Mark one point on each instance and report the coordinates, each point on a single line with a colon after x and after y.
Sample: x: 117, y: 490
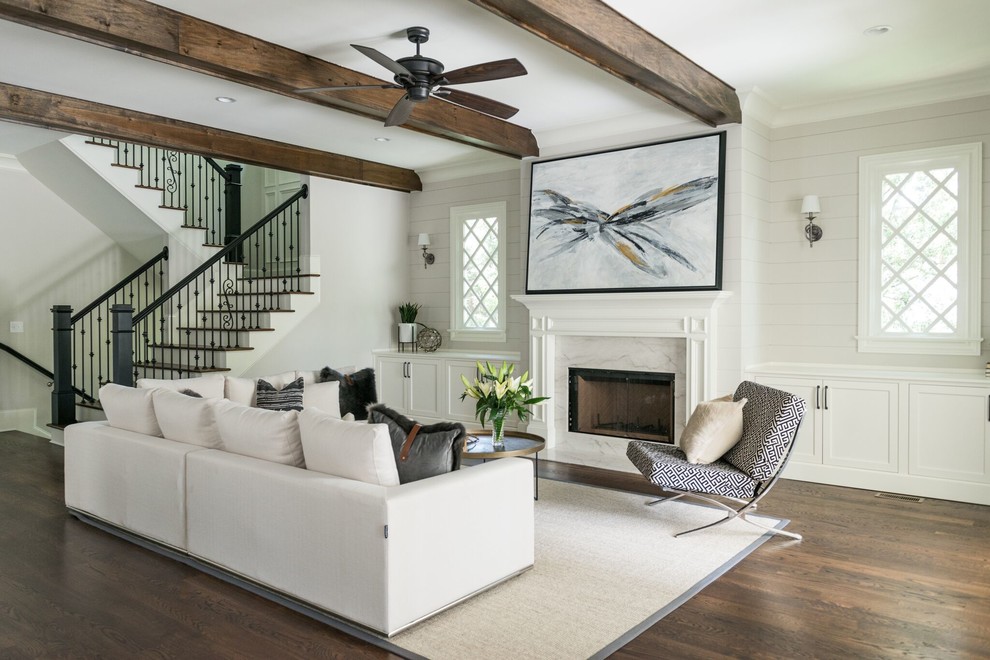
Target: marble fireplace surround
x: 687, y: 316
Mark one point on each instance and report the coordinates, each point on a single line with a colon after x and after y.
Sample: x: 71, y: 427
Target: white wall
x: 50, y: 255
x: 808, y: 307
x: 431, y: 286
x: 360, y: 234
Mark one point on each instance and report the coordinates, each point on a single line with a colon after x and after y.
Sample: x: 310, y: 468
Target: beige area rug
x: 607, y: 568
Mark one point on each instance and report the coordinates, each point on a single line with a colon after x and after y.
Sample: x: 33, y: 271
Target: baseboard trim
x: 24, y: 420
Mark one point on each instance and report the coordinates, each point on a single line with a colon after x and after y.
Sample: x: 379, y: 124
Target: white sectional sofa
x: 380, y: 556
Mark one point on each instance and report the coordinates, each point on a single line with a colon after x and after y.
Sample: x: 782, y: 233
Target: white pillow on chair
x: 714, y: 428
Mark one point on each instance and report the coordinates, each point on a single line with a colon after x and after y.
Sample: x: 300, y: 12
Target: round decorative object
x: 429, y: 339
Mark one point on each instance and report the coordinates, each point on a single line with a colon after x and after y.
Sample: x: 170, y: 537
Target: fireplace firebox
x: 623, y: 404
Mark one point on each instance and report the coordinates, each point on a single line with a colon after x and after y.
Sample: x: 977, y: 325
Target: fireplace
x: 623, y: 404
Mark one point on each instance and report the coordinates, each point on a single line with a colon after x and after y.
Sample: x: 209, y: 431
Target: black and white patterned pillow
x: 290, y: 397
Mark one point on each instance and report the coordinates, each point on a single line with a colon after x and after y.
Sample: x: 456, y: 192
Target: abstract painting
x: 644, y: 218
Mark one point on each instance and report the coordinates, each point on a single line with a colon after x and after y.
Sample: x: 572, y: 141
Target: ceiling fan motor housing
x: 426, y: 73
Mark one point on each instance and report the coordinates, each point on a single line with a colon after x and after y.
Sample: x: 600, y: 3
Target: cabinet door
x: 456, y: 409
x: 390, y: 377
x: 859, y: 427
x: 948, y: 432
x: 423, y: 393
x: 808, y: 445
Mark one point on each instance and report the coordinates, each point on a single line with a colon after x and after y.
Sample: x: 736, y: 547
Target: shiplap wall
x: 430, y: 286
x: 807, y: 303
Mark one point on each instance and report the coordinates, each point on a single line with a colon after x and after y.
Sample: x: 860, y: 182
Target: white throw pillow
x: 209, y: 386
x: 353, y: 450
x: 240, y: 390
x: 714, y: 428
x: 130, y: 409
x: 323, y: 396
x: 185, y: 418
x: 270, y: 435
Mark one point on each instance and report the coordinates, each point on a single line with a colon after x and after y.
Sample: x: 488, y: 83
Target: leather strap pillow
x: 420, y: 451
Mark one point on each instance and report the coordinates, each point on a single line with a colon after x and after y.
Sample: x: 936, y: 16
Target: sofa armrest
x: 452, y: 535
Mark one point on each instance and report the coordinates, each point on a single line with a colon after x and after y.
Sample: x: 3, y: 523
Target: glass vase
x: 498, y: 431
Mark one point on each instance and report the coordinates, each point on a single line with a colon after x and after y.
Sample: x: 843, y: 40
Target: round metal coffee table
x: 478, y: 445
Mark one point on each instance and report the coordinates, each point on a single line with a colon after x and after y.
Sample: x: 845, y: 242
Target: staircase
x: 227, y: 299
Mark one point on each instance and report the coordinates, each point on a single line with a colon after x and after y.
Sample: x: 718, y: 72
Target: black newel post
x: 63, y: 398
x: 123, y: 345
x: 232, y: 208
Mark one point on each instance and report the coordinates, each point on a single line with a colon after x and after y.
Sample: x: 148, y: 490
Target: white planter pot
x: 407, y: 332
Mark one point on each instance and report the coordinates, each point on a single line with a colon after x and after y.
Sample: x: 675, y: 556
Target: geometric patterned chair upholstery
x: 746, y: 473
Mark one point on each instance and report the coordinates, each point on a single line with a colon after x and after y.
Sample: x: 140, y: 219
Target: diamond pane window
x: 920, y: 251
x: 478, y: 272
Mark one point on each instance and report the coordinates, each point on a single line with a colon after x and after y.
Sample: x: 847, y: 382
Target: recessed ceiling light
x: 381, y: 139
x: 226, y: 99
x: 876, y: 30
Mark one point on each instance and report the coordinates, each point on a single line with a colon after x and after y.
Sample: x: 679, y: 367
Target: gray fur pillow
x: 357, y: 390
x: 436, y: 449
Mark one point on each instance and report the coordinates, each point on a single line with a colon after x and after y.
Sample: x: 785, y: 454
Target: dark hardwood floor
x: 873, y: 578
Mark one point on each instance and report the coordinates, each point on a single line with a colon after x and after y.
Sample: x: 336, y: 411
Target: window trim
x: 967, y: 159
x: 458, y: 214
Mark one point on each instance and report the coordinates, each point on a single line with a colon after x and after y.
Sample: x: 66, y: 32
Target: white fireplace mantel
x: 687, y: 315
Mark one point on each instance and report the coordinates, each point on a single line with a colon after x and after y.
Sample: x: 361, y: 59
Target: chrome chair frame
x: 748, y: 506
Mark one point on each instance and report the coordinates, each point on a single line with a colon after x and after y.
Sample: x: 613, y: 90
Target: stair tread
x: 127, y: 167
x: 175, y: 208
x: 143, y: 187
x: 278, y: 277
x: 211, y: 329
x: 165, y: 366
x: 246, y: 311
x: 201, y: 347
x: 271, y: 293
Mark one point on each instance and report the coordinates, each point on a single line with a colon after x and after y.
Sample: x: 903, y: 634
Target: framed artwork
x: 644, y: 218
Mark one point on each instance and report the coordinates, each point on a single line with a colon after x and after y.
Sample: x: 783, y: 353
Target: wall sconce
x: 428, y: 258
x: 810, y: 208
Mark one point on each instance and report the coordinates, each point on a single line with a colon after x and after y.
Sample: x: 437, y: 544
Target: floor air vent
x: 900, y: 498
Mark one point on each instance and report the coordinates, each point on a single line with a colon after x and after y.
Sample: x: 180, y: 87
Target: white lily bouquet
x: 499, y: 394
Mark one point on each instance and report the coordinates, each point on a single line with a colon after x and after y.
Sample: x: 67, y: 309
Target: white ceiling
x: 790, y: 60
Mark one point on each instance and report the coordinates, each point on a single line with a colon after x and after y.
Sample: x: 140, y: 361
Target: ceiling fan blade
x: 488, y: 71
x: 475, y: 102
x: 384, y: 60
x: 400, y: 112
x: 334, y: 88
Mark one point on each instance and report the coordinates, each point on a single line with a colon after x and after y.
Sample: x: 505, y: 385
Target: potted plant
x: 407, y: 321
x: 499, y: 394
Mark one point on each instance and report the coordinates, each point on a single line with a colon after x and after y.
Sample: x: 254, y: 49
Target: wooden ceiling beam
x: 159, y: 33
x: 602, y: 36
x: 64, y: 113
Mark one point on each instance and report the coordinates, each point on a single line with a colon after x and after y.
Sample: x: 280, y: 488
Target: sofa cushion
x: 353, y: 450
x: 273, y: 397
x: 714, y: 428
x: 323, y: 396
x: 186, y: 419
x: 209, y: 386
x: 266, y: 434
x: 129, y: 408
x: 240, y: 390
x: 357, y: 390
x: 435, y: 449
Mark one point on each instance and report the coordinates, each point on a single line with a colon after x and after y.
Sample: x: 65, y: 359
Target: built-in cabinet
x: 949, y: 432
x: 847, y: 423
x: 924, y: 434
x: 427, y: 386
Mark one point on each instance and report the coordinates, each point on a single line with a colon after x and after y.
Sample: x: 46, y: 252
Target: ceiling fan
x: 423, y: 77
